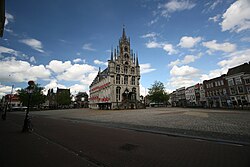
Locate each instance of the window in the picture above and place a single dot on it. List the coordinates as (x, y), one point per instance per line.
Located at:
(248, 89)
(218, 83)
(230, 82)
(132, 70)
(133, 80)
(232, 90)
(126, 69)
(247, 81)
(118, 93)
(215, 83)
(238, 81)
(211, 85)
(117, 69)
(224, 91)
(240, 89)
(222, 82)
(118, 79)
(125, 79)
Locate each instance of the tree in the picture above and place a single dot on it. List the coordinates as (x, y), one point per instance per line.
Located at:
(157, 93)
(63, 97)
(37, 96)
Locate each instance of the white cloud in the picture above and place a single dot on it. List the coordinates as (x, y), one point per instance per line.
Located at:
(8, 51)
(189, 42)
(32, 59)
(88, 78)
(234, 59)
(245, 39)
(78, 60)
(174, 6)
(169, 48)
(59, 66)
(146, 68)
(34, 44)
(186, 60)
(237, 17)
(153, 44)
(181, 81)
(184, 71)
(143, 91)
(174, 63)
(149, 35)
(215, 18)
(13, 70)
(98, 62)
(53, 85)
(214, 46)
(74, 89)
(9, 18)
(88, 46)
(76, 72)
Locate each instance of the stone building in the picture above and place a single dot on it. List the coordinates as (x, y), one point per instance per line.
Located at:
(216, 91)
(238, 79)
(117, 86)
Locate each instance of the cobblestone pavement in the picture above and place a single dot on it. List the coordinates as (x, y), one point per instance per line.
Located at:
(233, 125)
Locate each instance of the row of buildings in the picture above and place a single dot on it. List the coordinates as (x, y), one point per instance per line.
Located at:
(59, 98)
(228, 90)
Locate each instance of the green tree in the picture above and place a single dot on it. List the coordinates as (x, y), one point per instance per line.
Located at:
(37, 96)
(63, 97)
(157, 93)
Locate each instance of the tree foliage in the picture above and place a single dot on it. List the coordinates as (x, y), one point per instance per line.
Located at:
(36, 97)
(64, 98)
(157, 93)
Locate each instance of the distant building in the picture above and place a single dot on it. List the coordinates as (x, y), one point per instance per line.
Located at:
(12, 102)
(118, 86)
(82, 100)
(181, 97)
(59, 99)
(190, 96)
(217, 92)
(238, 79)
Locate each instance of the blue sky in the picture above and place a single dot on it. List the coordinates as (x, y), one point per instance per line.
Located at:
(179, 42)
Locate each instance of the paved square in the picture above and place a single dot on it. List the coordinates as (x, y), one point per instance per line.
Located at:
(233, 125)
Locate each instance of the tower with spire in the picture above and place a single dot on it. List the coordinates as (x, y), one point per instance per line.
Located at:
(118, 86)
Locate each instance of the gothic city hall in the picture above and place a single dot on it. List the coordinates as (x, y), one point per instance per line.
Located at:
(118, 86)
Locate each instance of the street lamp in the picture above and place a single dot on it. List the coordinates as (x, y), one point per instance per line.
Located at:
(27, 121)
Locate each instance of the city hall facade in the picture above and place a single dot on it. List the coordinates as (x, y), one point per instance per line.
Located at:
(118, 86)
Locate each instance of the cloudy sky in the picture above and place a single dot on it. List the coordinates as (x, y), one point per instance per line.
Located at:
(62, 43)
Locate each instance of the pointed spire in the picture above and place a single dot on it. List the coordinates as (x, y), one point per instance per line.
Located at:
(137, 62)
(99, 70)
(123, 32)
(112, 58)
(115, 53)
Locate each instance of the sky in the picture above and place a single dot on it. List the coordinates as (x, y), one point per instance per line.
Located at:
(63, 43)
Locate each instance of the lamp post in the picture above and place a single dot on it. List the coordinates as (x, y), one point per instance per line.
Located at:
(27, 121)
(8, 104)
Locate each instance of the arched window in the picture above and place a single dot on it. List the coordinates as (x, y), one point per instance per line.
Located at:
(125, 79)
(118, 69)
(118, 79)
(125, 69)
(118, 93)
(133, 80)
(133, 93)
(132, 70)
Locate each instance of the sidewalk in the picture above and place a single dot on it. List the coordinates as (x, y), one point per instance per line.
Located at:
(64, 143)
(30, 150)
